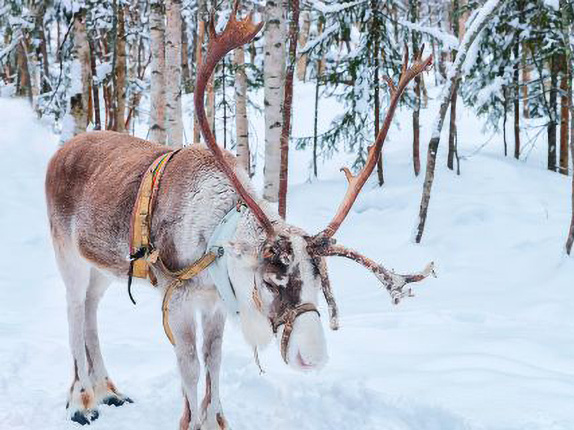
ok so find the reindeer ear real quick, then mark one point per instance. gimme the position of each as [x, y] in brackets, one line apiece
[243, 251]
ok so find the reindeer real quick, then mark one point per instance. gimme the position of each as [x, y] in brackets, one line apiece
[275, 270]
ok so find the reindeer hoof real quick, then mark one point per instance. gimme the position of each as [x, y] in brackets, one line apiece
[116, 401]
[85, 417]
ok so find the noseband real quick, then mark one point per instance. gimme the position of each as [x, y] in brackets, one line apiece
[287, 318]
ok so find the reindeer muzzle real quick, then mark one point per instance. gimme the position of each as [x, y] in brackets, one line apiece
[287, 318]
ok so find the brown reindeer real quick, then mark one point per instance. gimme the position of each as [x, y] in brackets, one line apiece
[275, 270]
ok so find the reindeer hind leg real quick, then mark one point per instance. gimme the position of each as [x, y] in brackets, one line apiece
[76, 275]
[104, 389]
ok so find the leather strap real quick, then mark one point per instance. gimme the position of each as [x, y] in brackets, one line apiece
[140, 223]
[287, 318]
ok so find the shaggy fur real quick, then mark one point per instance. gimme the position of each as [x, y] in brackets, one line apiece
[91, 187]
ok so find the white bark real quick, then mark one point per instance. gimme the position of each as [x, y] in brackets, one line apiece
[77, 119]
[273, 75]
[157, 90]
[173, 114]
[241, 123]
[303, 38]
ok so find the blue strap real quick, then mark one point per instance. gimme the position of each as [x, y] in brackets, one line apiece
[218, 269]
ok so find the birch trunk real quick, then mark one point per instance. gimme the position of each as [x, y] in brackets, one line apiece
[77, 118]
[95, 88]
[485, 14]
[303, 38]
[24, 87]
[273, 72]
[414, 6]
[173, 114]
[452, 134]
[120, 83]
[157, 90]
[241, 123]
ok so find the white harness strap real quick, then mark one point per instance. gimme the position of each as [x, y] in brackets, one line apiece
[218, 269]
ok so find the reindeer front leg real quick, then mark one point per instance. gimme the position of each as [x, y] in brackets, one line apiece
[213, 322]
[182, 323]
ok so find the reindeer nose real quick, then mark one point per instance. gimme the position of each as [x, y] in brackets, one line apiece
[302, 363]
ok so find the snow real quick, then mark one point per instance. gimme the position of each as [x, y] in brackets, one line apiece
[450, 41]
[552, 4]
[486, 345]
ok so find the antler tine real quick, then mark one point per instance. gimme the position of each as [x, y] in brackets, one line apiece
[405, 62]
[393, 282]
[357, 182]
[236, 33]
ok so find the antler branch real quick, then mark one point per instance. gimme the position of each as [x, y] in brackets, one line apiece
[356, 182]
[236, 33]
[393, 282]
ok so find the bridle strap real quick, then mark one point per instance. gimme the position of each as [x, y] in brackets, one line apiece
[287, 318]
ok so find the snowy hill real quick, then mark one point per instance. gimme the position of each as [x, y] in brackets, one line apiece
[487, 345]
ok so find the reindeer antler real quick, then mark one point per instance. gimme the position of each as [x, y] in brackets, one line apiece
[236, 33]
[356, 182]
[323, 244]
[393, 282]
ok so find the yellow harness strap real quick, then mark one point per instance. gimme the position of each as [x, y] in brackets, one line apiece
[140, 242]
[181, 275]
[141, 216]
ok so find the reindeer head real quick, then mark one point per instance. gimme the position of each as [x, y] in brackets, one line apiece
[287, 269]
[278, 285]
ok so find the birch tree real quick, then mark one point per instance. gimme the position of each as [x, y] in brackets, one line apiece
[241, 124]
[480, 20]
[273, 72]
[76, 120]
[173, 112]
[120, 82]
[157, 79]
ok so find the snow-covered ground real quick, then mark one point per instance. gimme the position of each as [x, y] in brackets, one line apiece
[487, 345]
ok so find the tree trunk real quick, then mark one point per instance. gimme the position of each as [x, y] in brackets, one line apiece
[39, 12]
[24, 88]
[552, 114]
[273, 72]
[173, 114]
[487, 11]
[120, 84]
[287, 107]
[452, 137]
[80, 70]
[187, 83]
[525, 82]
[201, 22]
[516, 78]
[95, 89]
[564, 114]
[241, 123]
[505, 109]
[570, 63]
[157, 81]
[303, 38]
[414, 4]
[376, 31]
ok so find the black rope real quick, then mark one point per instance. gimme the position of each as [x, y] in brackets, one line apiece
[133, 257]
